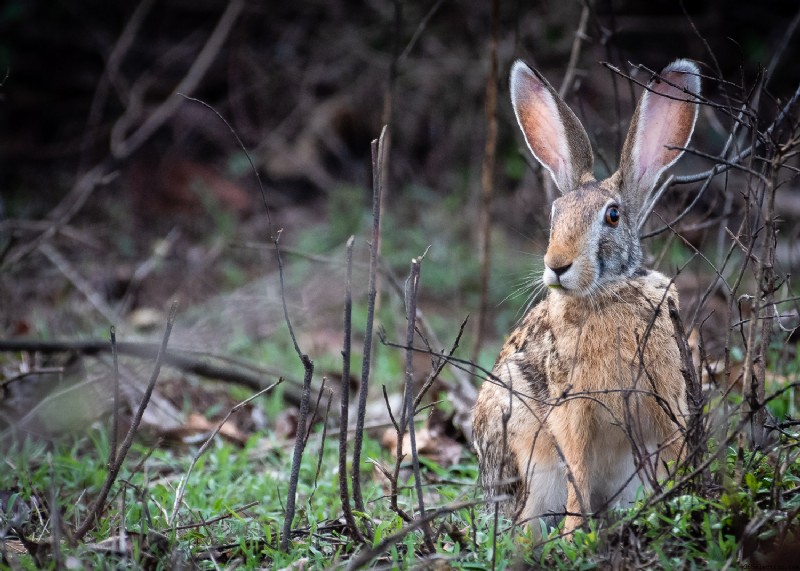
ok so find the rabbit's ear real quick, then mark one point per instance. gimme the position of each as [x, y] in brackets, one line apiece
[554, 134]
[661, 126]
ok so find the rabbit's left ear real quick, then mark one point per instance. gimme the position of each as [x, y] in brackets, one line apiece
[554, 134]
[662, 125]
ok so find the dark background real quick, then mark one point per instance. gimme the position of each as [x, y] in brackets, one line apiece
[305, 84]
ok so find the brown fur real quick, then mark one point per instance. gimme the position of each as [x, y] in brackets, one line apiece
[587, 398]
[581, 362]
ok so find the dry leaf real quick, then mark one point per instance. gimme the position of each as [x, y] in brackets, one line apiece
[431, 444]
[198, 428]
[286, 423]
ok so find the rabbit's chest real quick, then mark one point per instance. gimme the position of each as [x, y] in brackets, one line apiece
[599, 351]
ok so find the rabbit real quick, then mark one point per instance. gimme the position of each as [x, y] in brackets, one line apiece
[586, 402]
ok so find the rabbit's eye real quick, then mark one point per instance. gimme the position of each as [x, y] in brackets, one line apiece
[612, 216]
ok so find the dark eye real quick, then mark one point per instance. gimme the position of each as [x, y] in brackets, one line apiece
[612, 216]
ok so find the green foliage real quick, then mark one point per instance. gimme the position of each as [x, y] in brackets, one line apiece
[701, 531]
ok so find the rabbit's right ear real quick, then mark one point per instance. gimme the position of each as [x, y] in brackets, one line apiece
[661, 127]
[554, 134]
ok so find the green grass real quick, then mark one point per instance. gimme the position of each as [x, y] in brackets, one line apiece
[703, 531]
[744, 502]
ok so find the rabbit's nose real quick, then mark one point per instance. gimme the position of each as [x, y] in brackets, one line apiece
[561, 269]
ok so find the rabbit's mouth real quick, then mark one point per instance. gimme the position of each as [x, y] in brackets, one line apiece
[575, 279]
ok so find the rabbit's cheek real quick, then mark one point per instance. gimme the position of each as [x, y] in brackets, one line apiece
[605, 253]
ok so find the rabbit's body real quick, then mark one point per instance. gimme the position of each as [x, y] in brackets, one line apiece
[586, 402]
[577, 381]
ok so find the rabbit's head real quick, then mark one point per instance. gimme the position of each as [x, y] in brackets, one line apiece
[594, 226]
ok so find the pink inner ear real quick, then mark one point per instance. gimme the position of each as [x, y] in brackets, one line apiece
[663, 122]
[541, 124]
[546, 136]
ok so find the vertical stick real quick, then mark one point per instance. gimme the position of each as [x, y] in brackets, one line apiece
[767, 308]
[96, 510]
[694, 391]
[408, 394]
[753, 373]
[302, 415]
[377, 187]
[344, 492]
[297, 456]
[487, 180]
[112, 454]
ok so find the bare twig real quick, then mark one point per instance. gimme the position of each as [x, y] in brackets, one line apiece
[316, 410]
[242, 146]
[232, 513]
[693, 388]
[302, 415]
[297, 456]
[377, 187]
[115, 414]
[200, 451]
[439, 367]
[761, 307]
[408, 400]
[487, 181]
[91, 295]
[418, 32]
[98, 506]
[173, 358]
[781, 48]
[64, 211]
[462, 393]
[122, 146]
[574, 54]
[322, 441]
[368, 555]
[344, 491]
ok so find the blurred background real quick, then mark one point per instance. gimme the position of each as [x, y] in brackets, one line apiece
[117, 197]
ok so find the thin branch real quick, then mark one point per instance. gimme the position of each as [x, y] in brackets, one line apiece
[377, 189]
[487, 181]
[297, 456]
[322, 441]
[344, 492]
[782, 45]
[232, 513]
[200, 451]
[693, 389]
[242, 146]
[120, 145]
[316, 410]
[83, 285]
[418, 32]
[173, 358]
[574, 54]
[95, 511]
[408, 401]
[368, 555]
[115, 414]
[440, 366]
